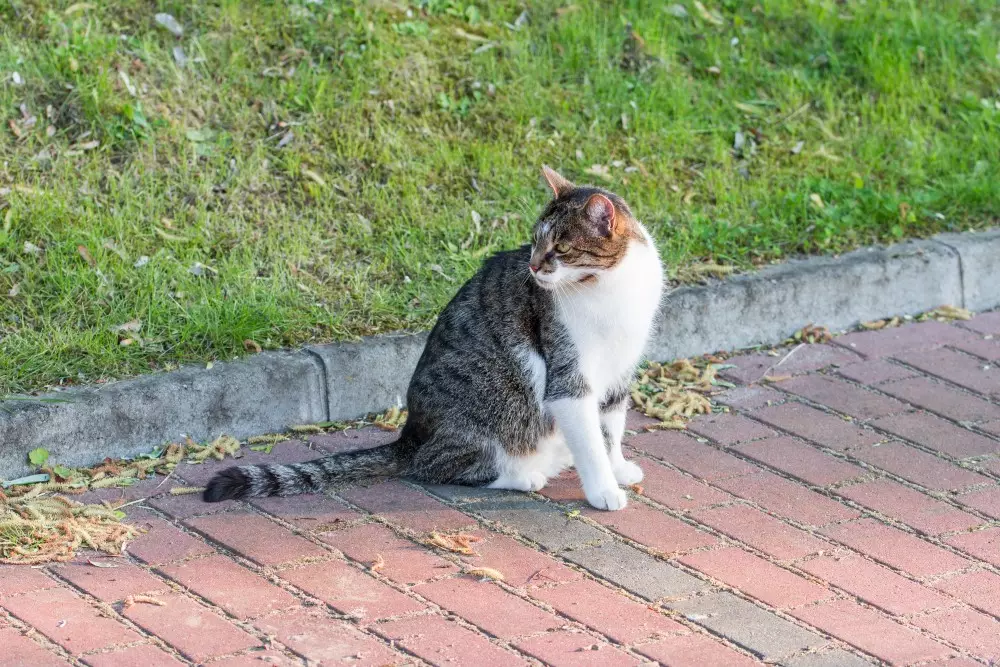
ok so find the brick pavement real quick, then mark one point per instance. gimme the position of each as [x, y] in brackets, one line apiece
[846, 513]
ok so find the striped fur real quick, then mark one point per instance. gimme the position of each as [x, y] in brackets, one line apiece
[309, 477]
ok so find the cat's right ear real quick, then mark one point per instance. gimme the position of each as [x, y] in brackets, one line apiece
[559, 185]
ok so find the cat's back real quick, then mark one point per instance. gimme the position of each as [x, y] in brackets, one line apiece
[493, 314]
[497, 302]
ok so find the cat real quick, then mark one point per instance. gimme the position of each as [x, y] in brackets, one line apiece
[526, 372]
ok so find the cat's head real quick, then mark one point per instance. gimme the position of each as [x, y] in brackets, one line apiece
[582, 233]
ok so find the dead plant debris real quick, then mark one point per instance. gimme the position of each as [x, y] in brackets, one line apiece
[378, 564]
[946, 314]
[186, 490]
[143, 599]
[459, 543]
[485, 573]
[811, 333]
[675, 392]
[392, 419]
[36, 528]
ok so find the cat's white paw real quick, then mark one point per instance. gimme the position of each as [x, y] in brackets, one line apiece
[610, 499]
[627, 473]
[536, 480]
[528, 481]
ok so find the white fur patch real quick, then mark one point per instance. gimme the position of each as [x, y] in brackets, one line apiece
[610, 320]
[530, 473]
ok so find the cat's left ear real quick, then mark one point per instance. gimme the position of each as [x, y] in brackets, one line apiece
[559, 185]
[601, 214]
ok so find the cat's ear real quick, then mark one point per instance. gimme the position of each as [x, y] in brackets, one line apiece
[559, 185]
[601, 214]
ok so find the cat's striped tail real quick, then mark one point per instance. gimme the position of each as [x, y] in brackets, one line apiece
[310, 477]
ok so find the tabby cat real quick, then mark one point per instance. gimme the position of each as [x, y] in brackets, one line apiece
[526, 372]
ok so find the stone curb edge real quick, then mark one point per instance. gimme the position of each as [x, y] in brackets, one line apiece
[270, 391]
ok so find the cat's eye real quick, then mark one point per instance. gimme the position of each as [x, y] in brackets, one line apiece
[562, 247]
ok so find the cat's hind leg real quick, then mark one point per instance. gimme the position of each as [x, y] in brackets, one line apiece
[532, 471]
[528, 480]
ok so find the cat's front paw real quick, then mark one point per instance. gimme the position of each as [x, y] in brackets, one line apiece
[627, 473]
[611, 498]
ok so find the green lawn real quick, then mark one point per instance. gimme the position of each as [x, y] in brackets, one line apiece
[298, 171]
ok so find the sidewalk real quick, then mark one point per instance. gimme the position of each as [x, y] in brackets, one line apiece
[846, 512]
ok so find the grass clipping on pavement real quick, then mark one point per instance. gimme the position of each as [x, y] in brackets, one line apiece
[676, 391]
[37, 527]
[38, 524]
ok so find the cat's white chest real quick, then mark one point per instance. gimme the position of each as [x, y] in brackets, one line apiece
[611, 321]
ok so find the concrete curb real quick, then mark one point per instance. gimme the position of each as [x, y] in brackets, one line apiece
[270, 391]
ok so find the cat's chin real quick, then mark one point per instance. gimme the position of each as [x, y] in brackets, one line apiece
[549, 286]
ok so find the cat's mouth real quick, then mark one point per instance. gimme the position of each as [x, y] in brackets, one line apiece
[546, 284]
[545, 281]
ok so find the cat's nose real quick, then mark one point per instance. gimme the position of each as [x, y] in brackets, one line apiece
[533, 267]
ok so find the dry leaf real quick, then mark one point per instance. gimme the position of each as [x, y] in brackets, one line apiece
[87, 257]
[637, 489]
[252, 346]
[379, 563]
[455, 543]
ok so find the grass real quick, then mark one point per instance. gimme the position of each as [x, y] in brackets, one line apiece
[314, 171]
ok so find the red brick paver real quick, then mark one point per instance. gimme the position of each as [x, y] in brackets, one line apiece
[695, 650]
[144, 654]
[600, 608]
[788, 499]
[242, 593]
[874, 584]
[486, 605]
[981, 544]
[761, 531]
[757, 577]
[573, 649]
[323, 640]
[871, 632]
[857, 490]
[896, 548]
[913, 508]
[19, 650]
[403, 561]
[818, 426]
[350, 591]
[192, 629]
[445, 642]
[800, 459]
[68, 620]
